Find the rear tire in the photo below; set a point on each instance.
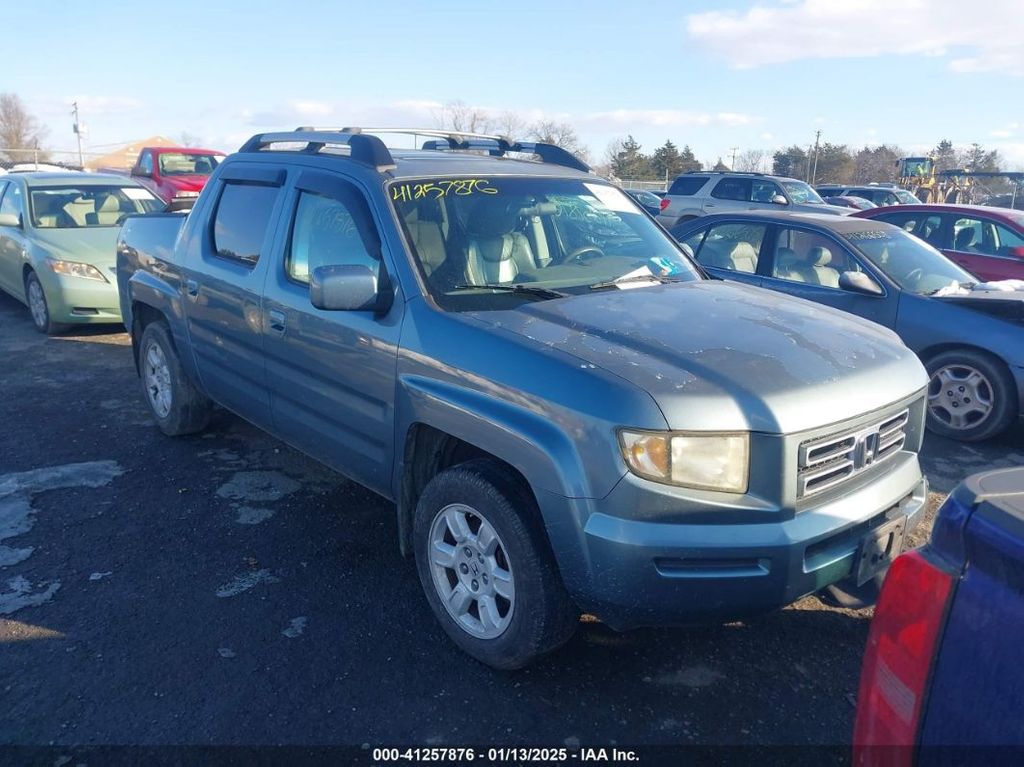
(971, 395)
(39, 307)
(177, 405)
(486, 567)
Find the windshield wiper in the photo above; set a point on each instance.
(634, 278)
(528, 290)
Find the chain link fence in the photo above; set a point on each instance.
(38, 159)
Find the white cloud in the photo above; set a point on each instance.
(662, 118)
(1001, 133)
(981, 38)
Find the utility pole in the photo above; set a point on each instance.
(733, 149)
(814, 173)
(78, 134)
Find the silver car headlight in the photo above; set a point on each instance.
(75, 269)
(700, 461)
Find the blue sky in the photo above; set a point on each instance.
(712, 75)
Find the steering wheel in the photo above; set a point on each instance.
(578, 254)
(914, 275)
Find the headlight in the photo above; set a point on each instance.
(702, 461)
(75, 269)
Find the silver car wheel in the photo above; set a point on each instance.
(471, 571)
(37, 304)
(959, 396)
(157, 375)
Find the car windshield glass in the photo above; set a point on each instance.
(187, 164)
(909, 262)
(801, 193)
(561, 235)
(69, 207)
(905, 197)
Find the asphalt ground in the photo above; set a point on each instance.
(225, 589)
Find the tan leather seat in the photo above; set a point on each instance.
(108, 211)
(788, 266)
(78, 209)
(744, 257)
(423, 221)
(497, 252)
(819, 259)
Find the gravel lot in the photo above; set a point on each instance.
(224, 589)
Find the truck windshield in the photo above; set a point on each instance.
(554, 236)
(187, 164)
(71, 207)
(909, 262)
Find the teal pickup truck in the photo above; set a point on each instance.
(569, 416)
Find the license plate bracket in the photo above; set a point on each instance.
(878, 549)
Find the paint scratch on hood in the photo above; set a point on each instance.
(245, 582)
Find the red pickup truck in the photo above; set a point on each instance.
(175, 174)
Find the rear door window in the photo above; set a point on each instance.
(731, 246)
(732, 189)
(687, 185)
(242, 219)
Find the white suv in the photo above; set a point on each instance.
(696, 193)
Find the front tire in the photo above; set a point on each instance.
(39, 307)
(486, 568)
(177, 405)
(971, 395)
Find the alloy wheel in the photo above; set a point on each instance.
(471, 571)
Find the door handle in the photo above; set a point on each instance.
(192, 289)
(276, 321)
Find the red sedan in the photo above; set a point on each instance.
(987, 242)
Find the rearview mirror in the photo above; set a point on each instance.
(345, 288)
(779, 199)
(10, 219)
(859, 282)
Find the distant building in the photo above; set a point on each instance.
(124, 157)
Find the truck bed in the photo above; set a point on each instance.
(151, 252)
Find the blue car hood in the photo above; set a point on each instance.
(725, 356)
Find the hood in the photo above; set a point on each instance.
(190, 183)
(88, 245)
(1007, 305)
(725, 356)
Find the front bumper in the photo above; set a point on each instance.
(74, 300)
(637, 572)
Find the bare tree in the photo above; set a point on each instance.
(753, 161)
(509, 124)
(18, 129)
(560, 134)
(189, 139)
(457, 116)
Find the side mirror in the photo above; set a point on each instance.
(347, 288)
(10, 219)
(859, 282)
(1017, 252)
(778, 199)
(137, 171)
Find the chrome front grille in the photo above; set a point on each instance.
(828, 461)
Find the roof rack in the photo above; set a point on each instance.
(368, 149)
(730, 172)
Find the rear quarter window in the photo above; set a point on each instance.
(242, 219)
(687, 185)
